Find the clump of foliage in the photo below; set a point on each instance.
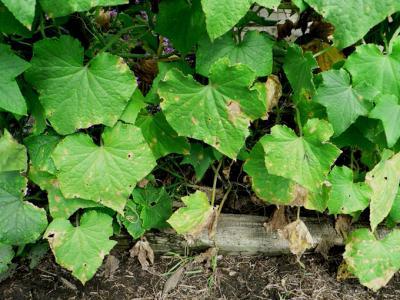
(104, 104)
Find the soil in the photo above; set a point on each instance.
(236, 277)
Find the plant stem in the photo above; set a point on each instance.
(322, 51)
(298, 121)
(216, 172)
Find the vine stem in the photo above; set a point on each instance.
(394, 36)
(216, 172)
(322, 51)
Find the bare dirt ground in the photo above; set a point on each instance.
(236, 277)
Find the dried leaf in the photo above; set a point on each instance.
(144, 253)
(298, 236)
(111, 266)
(274, 91)
(278, 220)
(173, 281)
(343, 225)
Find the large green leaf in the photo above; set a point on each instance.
(23, 10)
(388, 111)
(384, 181)
(13, 156)
(343, 103)
(161, 138)
(20, 221)
(373, 261)
(75, 95)
(11, 66)
(353, 19)
(386, 67)
(192, 218)
(10, 25)
(345, 196)
(107, 173)
(306, 159)
(81, 249)
(222, 15)
(223, 108)
(271, 188)
(59, 8)
(255, 51)
(181, 21)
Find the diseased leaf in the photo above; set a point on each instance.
(387, 110)
(384, 181)
(182, 22)
(343, 103)
(23, 10)
(11, 66)
(345, 196)
(105, 174)
(224, 107)
(298, 236)
(386, 67)
(373, 261)
(305, 160)
(131, 220)
(75, 95)
(197, 214)
(162, 139)
(255, 51)
(81, 249)
(20, 221)
(60, 207)
(60, 8)
(353, 19)
(13, 156)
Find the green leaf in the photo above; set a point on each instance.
(155, 206)
(60, 8)
(387, 110)
(37, 118)
(81, 249)
(75, 95)
(224, 107)
(132, 220)
(394, 214)
(60, 207)
(160, 136)
(222, 15)
(194, 217)
(373, 261)
(20, 221)
(40, 148)
(181, 21)
(6, 255)
(135, 105)
(105, 174)
(273, 189)
(255, 51)
(13, 156)
(10, 25)
(353, 19)
(386, 67)
(384, 181)
(23, 10)
(299, 68)
(305, 160)
(343, 102)
(200, 158)
(11, 66)
(345, 196)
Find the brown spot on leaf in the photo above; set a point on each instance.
(234, 110)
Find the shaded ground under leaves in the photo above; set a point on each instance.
(236, 277)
